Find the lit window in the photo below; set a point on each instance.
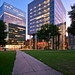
(34, 14)
(11, 6)
(44, 6)
(30, 16)
(44, 2)
(44, 11)
(34, 7)
(48, 4)
(16, 31)
(31, 13)
(30, 9)
(30, 26)
(39, 28)
(39, 4)
(35, 11)
(48, 0)
(39, 12)
(12, 15)
(39, 8)
(48, 9)
(5, 6)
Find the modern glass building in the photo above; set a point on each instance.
(71, 41)
(46, 12)
(15, 20)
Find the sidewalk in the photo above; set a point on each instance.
(27, 65)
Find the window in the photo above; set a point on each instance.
(34, 7)
(30, 9)
(39, 4)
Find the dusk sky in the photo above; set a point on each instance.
(23, 5)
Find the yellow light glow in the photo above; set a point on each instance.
(12, 15)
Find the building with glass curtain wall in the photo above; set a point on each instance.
(47, 12)
(15, 20)
(71, 41)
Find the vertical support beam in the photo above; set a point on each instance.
(62, 36)
(30, 42)
(35, 42)
(53, 40)
(58, 41)
(51, 44)
(42, 44)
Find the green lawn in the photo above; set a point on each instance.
(6, 62)
(63, 61)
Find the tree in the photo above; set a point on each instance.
(43, 33)
(3, 33)
(71, 29)
(48, 31)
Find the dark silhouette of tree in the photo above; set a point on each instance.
(71, 29)
(48, 31)
(3, 33)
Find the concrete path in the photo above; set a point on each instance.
(27, 65)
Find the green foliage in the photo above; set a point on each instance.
(72, 13)
(3, 34)
(47, 31)
(43, 33)
(71, 29)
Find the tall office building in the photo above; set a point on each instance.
(71, 41)
(15, 20)
(47, 12)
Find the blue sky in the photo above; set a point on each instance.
(23, 5)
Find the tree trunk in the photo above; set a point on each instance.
(48, 45)
(53, 42)
(42, 44)
(56, 43)
(33, 41)
(58, 40)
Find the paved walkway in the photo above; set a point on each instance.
(27, 65)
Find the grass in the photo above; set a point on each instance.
(63, 61)
(6, 62)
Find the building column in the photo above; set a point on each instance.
(51, 44)
(43, 44)
(30, 42)
(35, 42)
